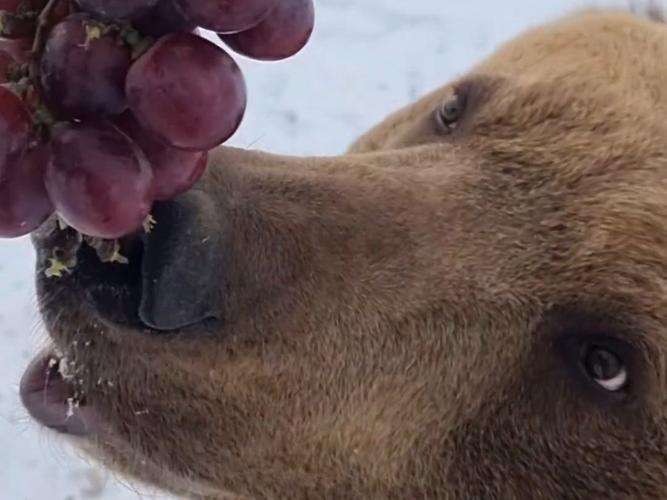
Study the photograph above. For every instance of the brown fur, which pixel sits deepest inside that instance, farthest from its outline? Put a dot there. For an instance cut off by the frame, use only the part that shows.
(394, 317)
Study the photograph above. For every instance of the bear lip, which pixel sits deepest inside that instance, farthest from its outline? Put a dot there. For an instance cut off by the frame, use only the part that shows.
(51, 398)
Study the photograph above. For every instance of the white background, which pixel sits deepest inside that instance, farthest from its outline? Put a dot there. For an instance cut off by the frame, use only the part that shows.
(366, 58)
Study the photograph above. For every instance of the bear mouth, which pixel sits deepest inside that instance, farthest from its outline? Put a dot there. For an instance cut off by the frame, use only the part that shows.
(165, 280)
(51, 397)
(168, 284)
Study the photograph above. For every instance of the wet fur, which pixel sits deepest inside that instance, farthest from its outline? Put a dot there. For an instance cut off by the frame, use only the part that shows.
(396, 318)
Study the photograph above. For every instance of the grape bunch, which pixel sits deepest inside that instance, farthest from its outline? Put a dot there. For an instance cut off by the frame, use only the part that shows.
(109, 105)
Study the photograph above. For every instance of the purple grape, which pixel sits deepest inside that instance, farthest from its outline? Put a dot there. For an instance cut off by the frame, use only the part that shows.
(98, 180)
(24, 203)
(174, 171)
(283, 33)
(83, 69)
(187, 91)
(15, 129)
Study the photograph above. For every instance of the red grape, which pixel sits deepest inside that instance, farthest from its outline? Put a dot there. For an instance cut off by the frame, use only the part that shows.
(98, 179)
(116, 10)
(227, 16)
(187, 91)
(166, 17)
(24, 204)
(174, 171)
(283, 33)
(15, 128)
(83, 69)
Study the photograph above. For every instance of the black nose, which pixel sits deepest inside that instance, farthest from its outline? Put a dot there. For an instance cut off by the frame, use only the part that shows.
(173, 277)
(181, 268)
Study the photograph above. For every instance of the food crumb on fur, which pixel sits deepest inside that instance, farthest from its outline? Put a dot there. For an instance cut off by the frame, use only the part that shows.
(56, 268)
(66, 369)
(62, 225)
(71, 405)
(149, 223)
(108, 251)
(66, 243)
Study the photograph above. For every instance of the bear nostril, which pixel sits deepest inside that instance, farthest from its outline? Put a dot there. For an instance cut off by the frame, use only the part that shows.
(181, 271)
(114, 289)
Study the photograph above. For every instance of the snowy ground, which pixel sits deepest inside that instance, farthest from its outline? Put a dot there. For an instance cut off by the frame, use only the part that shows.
(367, 58)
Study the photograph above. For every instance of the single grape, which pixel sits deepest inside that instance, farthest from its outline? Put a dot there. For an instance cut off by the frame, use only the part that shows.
(283, 33)
(166, 17)
(116, 10)
(187, 91)
(83, 69)
(24, 203)
(98, 180)
(174, 171)
(15, 129)
(227, 16)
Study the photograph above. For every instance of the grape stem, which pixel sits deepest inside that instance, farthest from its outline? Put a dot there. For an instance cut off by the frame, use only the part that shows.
(40, 37)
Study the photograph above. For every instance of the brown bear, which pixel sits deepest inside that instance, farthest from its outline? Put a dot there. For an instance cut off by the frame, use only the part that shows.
(470, 304)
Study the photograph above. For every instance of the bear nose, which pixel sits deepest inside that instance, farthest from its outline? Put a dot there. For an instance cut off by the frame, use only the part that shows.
(181, 272)
(173, 277)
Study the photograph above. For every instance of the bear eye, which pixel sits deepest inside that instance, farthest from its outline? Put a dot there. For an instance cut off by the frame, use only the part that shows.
(449, 113)
(605, 368)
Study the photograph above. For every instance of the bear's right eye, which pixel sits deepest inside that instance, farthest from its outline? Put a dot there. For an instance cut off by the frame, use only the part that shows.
(605, 368)
(449, 113)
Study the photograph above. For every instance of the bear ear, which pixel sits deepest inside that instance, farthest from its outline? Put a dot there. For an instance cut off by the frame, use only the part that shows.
(181, 266)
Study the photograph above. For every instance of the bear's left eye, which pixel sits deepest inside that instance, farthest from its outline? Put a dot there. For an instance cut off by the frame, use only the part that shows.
(605, 368)
(449, 113)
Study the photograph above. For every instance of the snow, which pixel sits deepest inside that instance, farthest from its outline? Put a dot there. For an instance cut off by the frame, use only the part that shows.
(367, 58)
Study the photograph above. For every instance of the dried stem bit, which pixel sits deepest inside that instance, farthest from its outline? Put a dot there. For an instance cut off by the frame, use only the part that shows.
(62, 225)
(149, 223)
(137, 42)
(63, 256)
(107, 250)
(66, 242)
(57, 268)
(42, 23)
